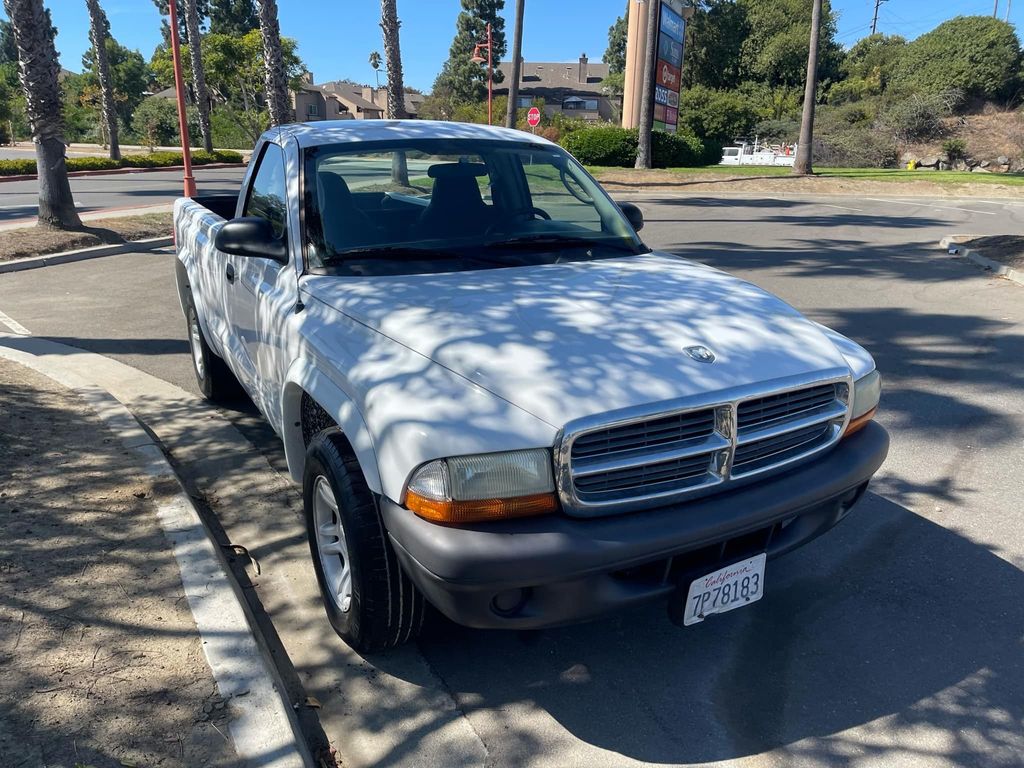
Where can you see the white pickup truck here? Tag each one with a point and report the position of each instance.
(498, 400)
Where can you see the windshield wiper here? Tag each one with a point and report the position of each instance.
(529, 242)
(397, 252)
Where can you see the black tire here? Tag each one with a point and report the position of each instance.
(384, 608)
(215, 380)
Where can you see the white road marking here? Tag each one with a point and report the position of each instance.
(841, 207)
(14, 325)
(923, 204)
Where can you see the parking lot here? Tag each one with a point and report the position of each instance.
(896, 639)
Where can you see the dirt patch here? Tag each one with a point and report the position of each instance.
(1006, 249)
(715, 182)
(102, 665)
(42, 241)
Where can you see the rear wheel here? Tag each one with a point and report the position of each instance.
(370, 602)
(215, 380)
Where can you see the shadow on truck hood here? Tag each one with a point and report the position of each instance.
(569, 340)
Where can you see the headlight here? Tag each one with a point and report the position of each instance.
(866, 392)
(490, 486)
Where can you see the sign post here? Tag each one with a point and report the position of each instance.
(179, 92)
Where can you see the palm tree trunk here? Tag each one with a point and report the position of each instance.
(200, 91)
(37, 71)
(275, 83)
(389, 25)
(805, 150)
(99, 31)
(646, 127)
(517, 58)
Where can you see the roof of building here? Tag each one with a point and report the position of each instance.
(342, 131)
(556, 75)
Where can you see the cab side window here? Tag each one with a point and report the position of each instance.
(267, 195)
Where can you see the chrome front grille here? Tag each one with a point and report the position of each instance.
(656, 456)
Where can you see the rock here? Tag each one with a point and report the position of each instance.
(960, 165)
(943, 165)
(979, 169)
(1003, 160)
(929, 162)
(985, 163)
(971, 162)
(907, 157)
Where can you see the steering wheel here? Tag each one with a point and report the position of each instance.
(525, 212)
(574, 188)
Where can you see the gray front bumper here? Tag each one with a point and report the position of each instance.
(571, 569)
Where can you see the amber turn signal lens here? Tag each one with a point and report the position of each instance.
(859, 423)
(483, 510)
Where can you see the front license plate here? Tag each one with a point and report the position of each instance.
(723, 590)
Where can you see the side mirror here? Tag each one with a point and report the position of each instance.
(634, 215)
(251, 236)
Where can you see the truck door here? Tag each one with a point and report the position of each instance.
(252, 281)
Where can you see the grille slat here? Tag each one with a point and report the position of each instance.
(666, 457)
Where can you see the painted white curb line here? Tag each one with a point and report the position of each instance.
(263, 726)
(997, 268)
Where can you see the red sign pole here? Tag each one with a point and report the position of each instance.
(179, 89)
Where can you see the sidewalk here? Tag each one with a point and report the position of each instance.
(102, 664)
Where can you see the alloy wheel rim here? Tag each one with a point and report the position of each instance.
(331, 544)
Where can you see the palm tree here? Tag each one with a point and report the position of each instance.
(375, 64)
(37, 71)
(644, 149)
(99, 31)
(275, 83)
(395, 110)
(517, 56)
(199, 89)
(802, 163)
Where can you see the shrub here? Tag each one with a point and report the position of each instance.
(152, 160)
(91, 164)
(917, 117)
(17, 167)
(955, 149)
(856, 146)
(602, 145)
(678, 150)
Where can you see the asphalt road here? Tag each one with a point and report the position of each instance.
(896, 639)
(18, 199)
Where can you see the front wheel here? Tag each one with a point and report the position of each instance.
(370, 602)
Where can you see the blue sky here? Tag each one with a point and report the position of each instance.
(336, 36)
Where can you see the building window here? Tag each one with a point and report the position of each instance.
(575, 102)
(312, 110)
(524, 102)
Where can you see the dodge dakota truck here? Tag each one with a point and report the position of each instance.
(499, 402)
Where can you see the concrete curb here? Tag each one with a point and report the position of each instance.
(83, 254)
(972, 254)
(264, 728)
(117, 171)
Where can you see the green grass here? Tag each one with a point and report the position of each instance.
(860, 174)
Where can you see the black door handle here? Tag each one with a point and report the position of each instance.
(230, 272)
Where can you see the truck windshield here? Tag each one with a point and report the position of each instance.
(419, 206)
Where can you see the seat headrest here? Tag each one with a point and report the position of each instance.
(456, 170)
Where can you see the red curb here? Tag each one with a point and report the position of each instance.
(113, 171)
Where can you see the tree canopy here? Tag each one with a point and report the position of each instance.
(462, 80)
(615, 54)
(978, 55)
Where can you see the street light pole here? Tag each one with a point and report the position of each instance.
(179, 91)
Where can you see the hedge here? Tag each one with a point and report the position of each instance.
(613, 146)
(152, 160)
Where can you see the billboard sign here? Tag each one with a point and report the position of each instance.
(668, 67)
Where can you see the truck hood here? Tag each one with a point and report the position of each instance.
(570, 340)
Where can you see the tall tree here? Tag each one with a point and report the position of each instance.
(233, 17)
(389, 25)
(615, 54)
(199, 89)
(375, 62)
(517, 61)
(805, 149)
(275, 79)
(99, 31)
(462, 81)
(644, 149)
(38, 68)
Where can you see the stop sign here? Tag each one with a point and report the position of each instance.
(533, 117)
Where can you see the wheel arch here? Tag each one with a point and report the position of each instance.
(305, 381)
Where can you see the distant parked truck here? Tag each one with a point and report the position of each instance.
(746, 153)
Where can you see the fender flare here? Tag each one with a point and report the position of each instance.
(304, 378)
